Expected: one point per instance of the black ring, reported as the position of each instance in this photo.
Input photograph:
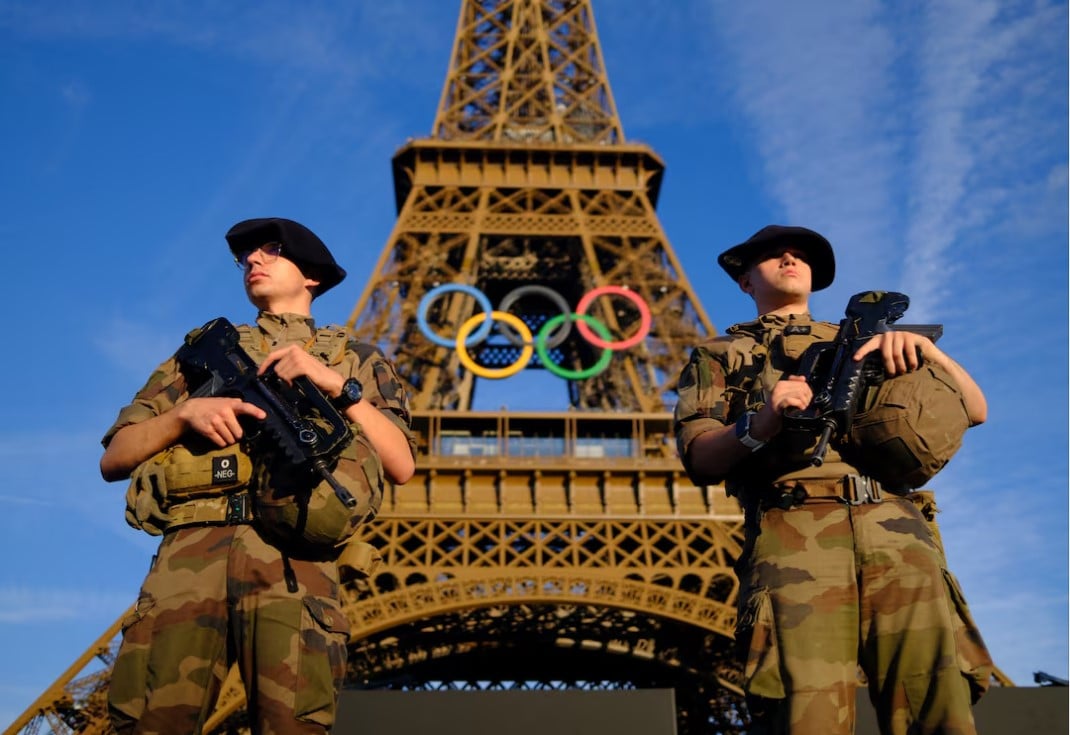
(556, 337)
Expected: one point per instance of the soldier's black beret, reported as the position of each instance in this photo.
(737, 259)
(299, 244)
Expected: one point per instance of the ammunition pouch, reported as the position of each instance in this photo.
(908, 428)
(175, 486)
(358, 560)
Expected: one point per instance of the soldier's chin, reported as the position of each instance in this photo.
(257, 296)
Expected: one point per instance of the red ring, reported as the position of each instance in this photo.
(644, 317)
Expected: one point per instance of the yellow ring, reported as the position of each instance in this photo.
(513, 321)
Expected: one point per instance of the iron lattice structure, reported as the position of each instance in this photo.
(528, 182)
(533, 550)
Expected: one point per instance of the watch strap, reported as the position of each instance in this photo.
(743, 432)
(352, 392)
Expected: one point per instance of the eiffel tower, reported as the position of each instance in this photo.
(532, 550)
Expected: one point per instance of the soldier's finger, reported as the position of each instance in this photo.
(228, 428)
(912, 355)
(873, 343)
(250, 409)
(895, 361)
(213, 434)
(269, 361)
(214, 437)
(888, 353)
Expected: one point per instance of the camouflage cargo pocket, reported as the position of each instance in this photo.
(129, 676)
(757, 647)
(321, 669)
(974, 660)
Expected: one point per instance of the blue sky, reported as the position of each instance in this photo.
(926, 140)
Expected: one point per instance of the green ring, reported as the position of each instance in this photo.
(540, 347)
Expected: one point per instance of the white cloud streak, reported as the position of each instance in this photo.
(900, 130)
(314, 36)
(986, 150)
(814, 84)
(43, 605)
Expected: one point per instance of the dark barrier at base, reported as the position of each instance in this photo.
(1003, 711)
(573, 712)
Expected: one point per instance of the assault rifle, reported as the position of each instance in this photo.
(302, 427)
(837, 381)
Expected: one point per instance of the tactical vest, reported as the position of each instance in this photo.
(196, 483)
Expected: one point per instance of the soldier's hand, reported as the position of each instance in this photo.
(293, 362)
(901, 352)
(216, 419)
(791, 393)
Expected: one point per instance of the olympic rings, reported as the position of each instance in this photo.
(551, 334)
(644, 318)
(479, 296)
(505, 372)
(544, 355)
(559, 301)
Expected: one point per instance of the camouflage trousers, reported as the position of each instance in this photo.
(827, 589)
(216, 596)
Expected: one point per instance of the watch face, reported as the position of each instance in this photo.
(352, 391)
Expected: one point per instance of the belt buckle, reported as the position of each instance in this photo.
(861, 490)
(237, 506)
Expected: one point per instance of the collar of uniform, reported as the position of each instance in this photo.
(779, 320)
(293, 326)
(771, 321)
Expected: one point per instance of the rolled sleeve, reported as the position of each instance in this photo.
(702, 404)
(383, 387)
(160, 394)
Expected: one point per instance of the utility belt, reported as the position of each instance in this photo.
(295, 510)
(848, 489)
(224, 510)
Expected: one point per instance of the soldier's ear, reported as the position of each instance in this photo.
(745, 284)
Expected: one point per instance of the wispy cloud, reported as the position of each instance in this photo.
(952, 56)
(986, 148)
(42, 605)
(312, 36)
(900, 132)
(133, 347)
(814, 85)
(16, 500)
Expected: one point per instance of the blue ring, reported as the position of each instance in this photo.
(477, 336)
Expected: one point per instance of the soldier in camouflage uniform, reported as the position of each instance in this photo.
(219, 590)
(837, 574)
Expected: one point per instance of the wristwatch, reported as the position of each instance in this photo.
(352, 392)
(743, 432)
